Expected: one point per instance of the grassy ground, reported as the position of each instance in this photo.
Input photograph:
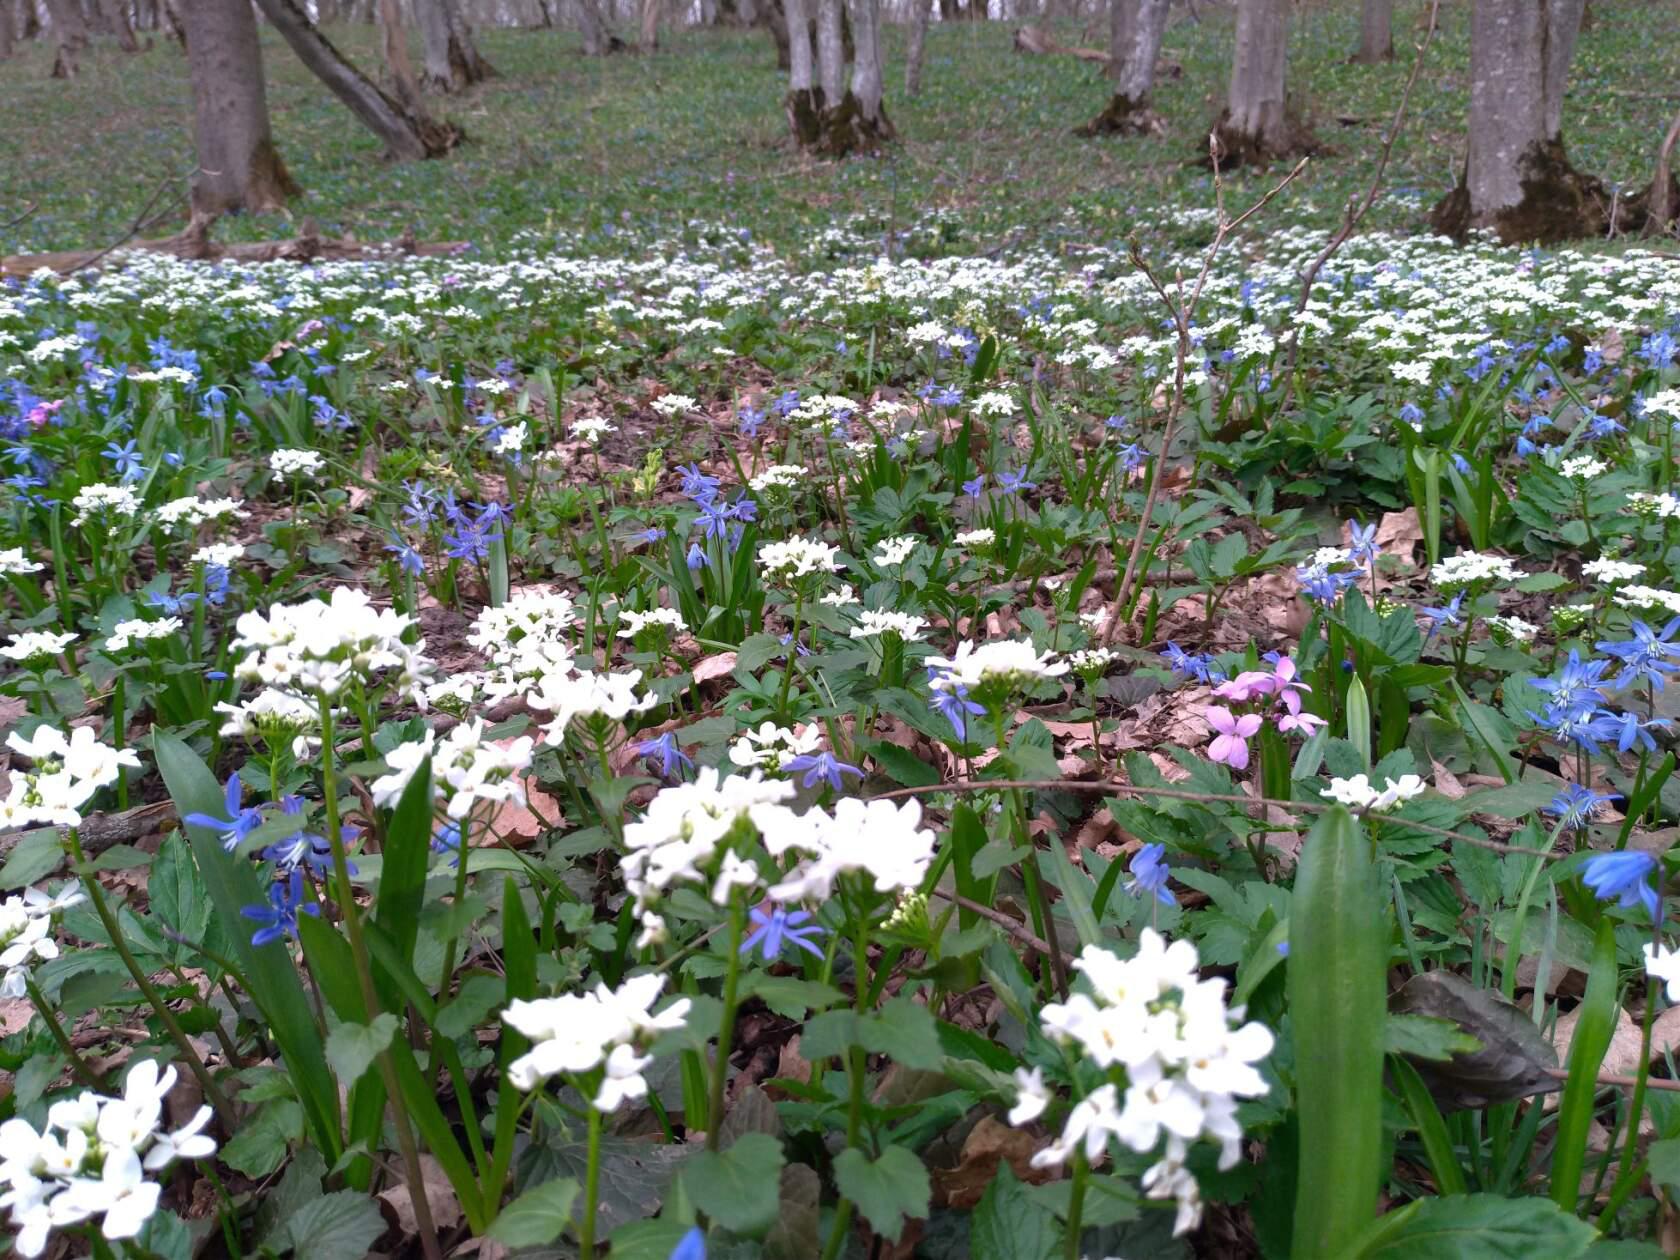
(564, 141)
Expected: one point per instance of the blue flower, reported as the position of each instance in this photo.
(696, 485)
(671, 758)
(408, 559)
(1625, 875)
(820, 766)
(1444, 617)
(1578, 683)
(1132, 456)
(127, 459)
(953, 704)
(280, 916)
(1411, 413)
(975, 486)
(239, 822)
(1364, 549)
(1585, 726)
(697, 559)
(171, 605)
(1576, 806)
(692, 1246)
(749, 421)
(780, 927)
(1321, 585)
(1630, 730)
(1015, 482)
(1647, 655)
(1149, 874)
(448, 840)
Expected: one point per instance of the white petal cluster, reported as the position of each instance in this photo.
(1639, 598)
(632, 622)
(592, 429)
(976, 538)
(321, 646)
(873, 622)
(101, 499)
(125, 632)
(882, 839)
(587, 695)
(1005, 662)
(892, 552)
(779, 477)
(289, 462)
(796, 558)
(1611, 571)
(1472, 568)
(1663, 963)
(221, 555)
(276, 717)
(466, 768)
(13, 563)
(1583, 468)
(774, 746)
(1187, 1059)
(26, 933)
(1358, 793)
(529, 635)
(36, 645)
(66, 774)
(192, 511)
(669, 405)
(577, 1034)
(91, 1158)
(995, 403)
(1662, 506)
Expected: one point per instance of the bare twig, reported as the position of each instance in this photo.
(1183, 311)
(1618, 1080)
(28, 210)
(134, 228)
(1357, 207)
(1014, 928)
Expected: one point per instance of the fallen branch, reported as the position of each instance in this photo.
(1031, 39)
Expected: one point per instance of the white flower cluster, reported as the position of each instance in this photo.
(1513, 629)
(592, 429)
(125, 632)
(66, 774)
(26, 933)
(995, 402)
(466, 768)
(192, 511)
(1091, 660)
(1648, 599)
(1665, 402)
(1005, 662)
(669, 405)
(1357, 792)
(797, 558)
(1186, 1056)
(577, 1034)
(526, 638)
(873, 622)
(976, 538)
(91, 1160)
(845, 597)
(102, 499)
(1472, 568)
(892, 552)
(779, 477)
(774, 746)
(320, 646)
(1610, 571)
(1583, 468)
(13, 563)
(290, 462)
(1662, 506)
(275, 717)
(587, 695)
(632, 622)
(219, 554)
(34, 645)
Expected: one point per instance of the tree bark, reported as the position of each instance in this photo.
(453, 63)
(28, 24)
(598, 41)
(1256, 126)
(70, 35)
(1136, 28)
(1376, 32)
(804, 99)
(238, 166)
(867, 88)
(650, 25)
(1517, 178)
(405, 134)
(5, 30)
(831, 53)
(921, 15)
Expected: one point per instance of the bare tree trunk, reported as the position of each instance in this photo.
(70, 34)
(921, 14)
(120, 27)
(831, 52)
(453, 63)
(805, 101)
(871, 122)
(395, 42)
(1136, 28)
(597, 39)
(650, 25)
(1376, 32)
(238, 167)
(1517, 178)
(1663, 200)
(1256, 126)
(5, 30)
(404, 133)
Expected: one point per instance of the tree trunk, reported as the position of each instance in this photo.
(1256, 125)
(28, 25)
(453, 63)
(831, 53)
(776, 22)
(871, 124)
(404, 133)
(1662, 201)
(117, 20)
(804, 99)
(1136, 28)
(5, 30)
(1517, 178)
(921, 14)
(238, 167)
(650, 25)
(70, 34)
(598, 41)
(1376, 32)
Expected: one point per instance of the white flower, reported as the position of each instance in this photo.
(125, 631)
(995, 403)
(1357, 792)
(669, 405)
(193, 511)
(622, 1079)
(779, 477)
(592, 429)
(796, 558)
(1031, 1096)
(575, 1034)
(1513, 629)
(100, 498)
(1583, 467)
(511, 439)
(1007, 662)
(36, 645)
(1663, 964)
(977, 538)
(906, 626)
(610, 696)
(842, 598)
(892, 552)
(1091, 660)
(14, 563)
(221, 555)
(317, 647)
(881, 838)
(631, 622)
(927, 333)
(1470, 568)
(1611, 571)
(1645, 598)
(773, 746)
(288, 462)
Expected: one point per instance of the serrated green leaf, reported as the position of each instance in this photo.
(738, 1188)
(352, 1048)
(341, 1226)
(1476, 1227)
(1008, 1225)
(886, 1191)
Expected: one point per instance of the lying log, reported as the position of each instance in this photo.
(194, 244)
(1032, 39)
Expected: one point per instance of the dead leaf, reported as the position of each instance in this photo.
(440, 1198)
(1399, 534)
(1446, 782)
(989, 1143)
(713, 667)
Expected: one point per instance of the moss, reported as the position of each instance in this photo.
(845, 130)
(1559, 203)
(1123, 116)
(1241, 148)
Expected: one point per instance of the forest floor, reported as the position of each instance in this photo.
(561, 141)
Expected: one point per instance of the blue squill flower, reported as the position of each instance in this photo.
(781, 927)
(1627, 876)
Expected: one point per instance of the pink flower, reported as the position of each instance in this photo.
(1230, 746)
(1306, 723)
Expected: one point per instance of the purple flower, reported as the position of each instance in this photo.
(1149, 874)
(280, 916)
(771, 931)
(238, 823)
(1625, 875)
(820, 766)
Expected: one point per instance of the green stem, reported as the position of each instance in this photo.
(370, 997)
(1076, 1205)
(591, 1187)
(726, 1030)
(119, 727)
(1636, 1104)
(856, 1074)
(78, 1065)
(212, 1092)
(793, 651)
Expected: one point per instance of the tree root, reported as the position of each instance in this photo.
(1558, 203)
(1123, 116)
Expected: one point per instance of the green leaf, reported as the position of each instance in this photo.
(1586, 1051)
(352, 1048)
(886, 1191)
(478, 996)
(1076, 893)
(1008, 1225)
(738, 1188)
(1476, 1227)
(757, 651)
(1664, 1161)
(789, 996)
(904, 1030)
(36, 855)
(408, 851)
(176, 893)
(1534, 583)
(261, 1144)
(342, 1226)
(902, 765)
(1420, 1037)
(536, 1217)
(1338, 958)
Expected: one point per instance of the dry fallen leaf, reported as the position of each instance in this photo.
(713, 667)
(440, 1198)
(988, 1144)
